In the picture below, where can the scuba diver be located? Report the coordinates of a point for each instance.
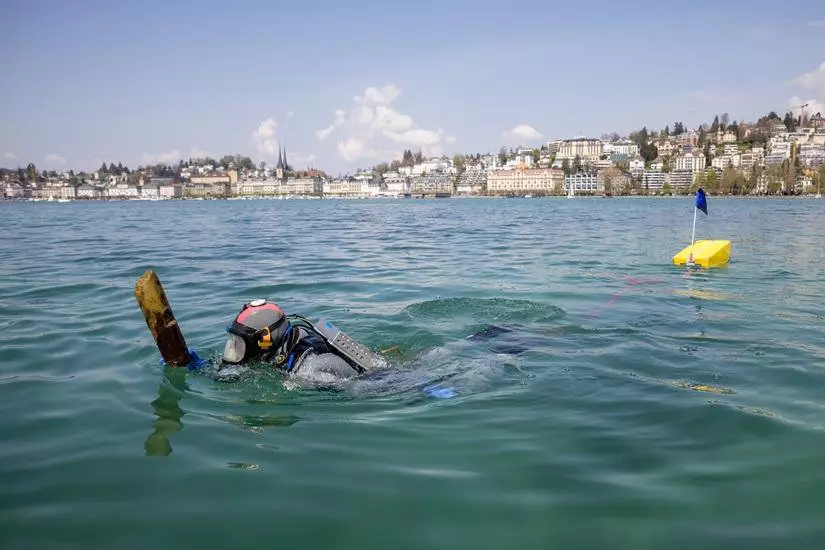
(318, 352)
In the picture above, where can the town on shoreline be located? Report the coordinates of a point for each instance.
(772, 156)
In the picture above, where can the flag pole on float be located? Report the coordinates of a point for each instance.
(699, 204)
(704, 253)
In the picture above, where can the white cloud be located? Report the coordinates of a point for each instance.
(522, 131)
(265, 137)
(168, 157)
(161, 158)
(379, 96)
(324, 133)
(813, 106)
(290, 114)
(55, 159)
(10, 156)
(373, 129)
(300, 161)
(354, 149)
(196, 152)
(814, 80)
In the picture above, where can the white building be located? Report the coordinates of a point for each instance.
(750, 159)
(258, 188)
(666, 147)
(539, 180)
(583, 182)
(88, 192)
(524, 160)
(150, 191)
(811, 155)
(680, 179)
(653, 181)
(731, 149)
(303, 186)
(170, 191)
(113, 179)
(13, 191)
(625, 148)
(778, 153)
(637, 164)
(554, 146)
(726, 160)
(123, 191)
(491, 162)
(346, 188)
(583, 147)
(693, 161)
(396, 184)
(657, 165)
(473, 181)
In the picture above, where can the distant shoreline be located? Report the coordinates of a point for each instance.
(385, 198)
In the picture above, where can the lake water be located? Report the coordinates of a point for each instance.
(651, 407)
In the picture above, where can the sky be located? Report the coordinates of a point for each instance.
(345, 85)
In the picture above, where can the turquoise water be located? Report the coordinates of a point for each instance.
(598, 435)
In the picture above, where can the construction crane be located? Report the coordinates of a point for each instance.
(803, 112)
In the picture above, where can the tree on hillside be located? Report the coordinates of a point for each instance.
(819, 177)
(419, 157)
(788, 176)
(713, 183)
(577, 164)
(649, 152)
(31, 173)
(715, 126)
(723, 120)
(641, 137)
(102, 169)
(790, 122)
(732, 181)
(459, 162)
(609, 177)
(678, 128)
(702, 135)
(752, 181)
(665, 132)
(700, 179)
(502, 156)
(381, 168)
(565, 165)
(536, 155)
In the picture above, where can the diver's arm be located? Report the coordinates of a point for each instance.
(324, 365)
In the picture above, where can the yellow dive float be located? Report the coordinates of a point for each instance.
(704, 253)
(715, 253)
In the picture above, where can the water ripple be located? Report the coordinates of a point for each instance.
(633, 404)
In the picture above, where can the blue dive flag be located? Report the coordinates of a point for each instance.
(701, 201)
